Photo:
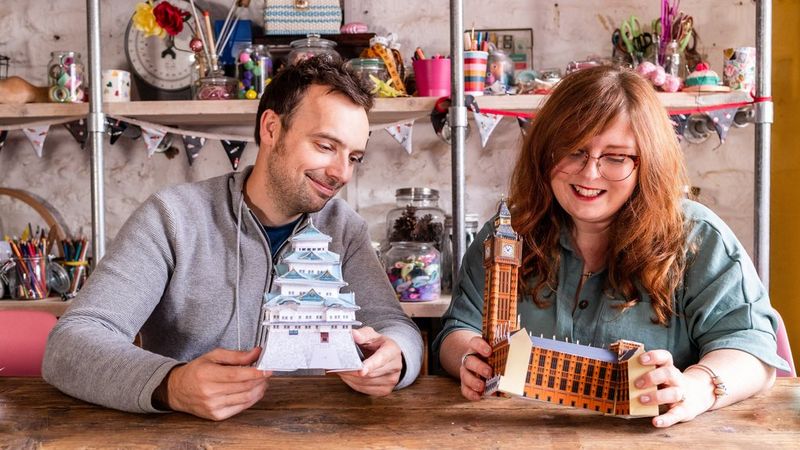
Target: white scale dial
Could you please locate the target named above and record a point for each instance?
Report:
(163, 72)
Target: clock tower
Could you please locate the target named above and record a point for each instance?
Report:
(502, 256)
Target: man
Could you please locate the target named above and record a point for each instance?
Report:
(189, 268)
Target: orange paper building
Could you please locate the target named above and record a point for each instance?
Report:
(554, 371)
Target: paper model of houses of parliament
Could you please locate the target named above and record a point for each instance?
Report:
(558, 372)
(307, 324)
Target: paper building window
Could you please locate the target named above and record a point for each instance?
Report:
(323, 337)
(293, 332)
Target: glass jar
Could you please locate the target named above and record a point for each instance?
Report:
(65, 77)
(312, 45)
(253, 68)
(413, 269)
(216, 87)
(499, 72)
(425, 201)
(471, 225)
(364, 67)
(32, 278)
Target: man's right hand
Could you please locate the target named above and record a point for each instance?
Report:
(217, 385)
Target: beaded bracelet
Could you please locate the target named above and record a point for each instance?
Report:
(719, 386)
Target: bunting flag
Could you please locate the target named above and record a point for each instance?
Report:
(679, 122)
(3, 136)
(234, 150)
(402, 134)
(486, 125)
(115, 129)
(152, 138)
(722, 120)
(193, 145)
(77, 129)
(524, 125)
(37, 135)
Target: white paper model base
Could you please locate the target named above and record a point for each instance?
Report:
(307, 325)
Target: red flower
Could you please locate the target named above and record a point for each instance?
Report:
(169, 17)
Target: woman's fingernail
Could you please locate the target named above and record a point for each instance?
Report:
(644, 398)
(645, 358)
(639, 383)
(659, 422)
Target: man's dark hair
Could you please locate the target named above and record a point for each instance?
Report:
(287, 88)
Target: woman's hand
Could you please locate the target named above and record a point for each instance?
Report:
(474, 369)
(686, 394)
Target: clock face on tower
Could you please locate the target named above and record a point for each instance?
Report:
(508, 250)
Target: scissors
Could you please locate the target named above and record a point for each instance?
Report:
(682, 27)
(633, 37)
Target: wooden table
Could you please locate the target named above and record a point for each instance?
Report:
(324, 413)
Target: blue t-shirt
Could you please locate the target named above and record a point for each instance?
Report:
(276, 236)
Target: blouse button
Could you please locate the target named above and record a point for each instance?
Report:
(583, 304)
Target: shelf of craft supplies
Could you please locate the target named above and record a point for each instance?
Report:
(242, 112)
(56, 306)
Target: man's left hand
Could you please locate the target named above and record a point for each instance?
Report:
(383, 365)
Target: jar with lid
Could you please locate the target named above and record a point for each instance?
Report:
(312, 45)
(471, 226)
(253, 68)
(401, 221)
(216, 86)
(414, 270)
(499, 71)
(65, 76)
(364, 67)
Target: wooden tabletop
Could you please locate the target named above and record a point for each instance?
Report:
(324, 413)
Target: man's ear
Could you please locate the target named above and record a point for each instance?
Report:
(270, 125)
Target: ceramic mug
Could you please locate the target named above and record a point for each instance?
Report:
(474, 71)
(739, 72)
(116, 86)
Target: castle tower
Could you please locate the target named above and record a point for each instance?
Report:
(502, 256)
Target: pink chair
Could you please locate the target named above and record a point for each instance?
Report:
(23, 336)
(784, 351)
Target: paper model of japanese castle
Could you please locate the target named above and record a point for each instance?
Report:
(554, 371)
(307, 324)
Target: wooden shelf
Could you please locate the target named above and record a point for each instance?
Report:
(242, 112)
(435, 308)
(53, 305)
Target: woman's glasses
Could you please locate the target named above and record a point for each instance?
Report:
(611, 166)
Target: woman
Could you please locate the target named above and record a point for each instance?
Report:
(612, 251)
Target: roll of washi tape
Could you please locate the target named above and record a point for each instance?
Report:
(59, 94)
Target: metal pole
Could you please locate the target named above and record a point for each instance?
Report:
(96, 128)
(763, 124)
(458, 130)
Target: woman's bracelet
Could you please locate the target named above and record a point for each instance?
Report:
(719, 386)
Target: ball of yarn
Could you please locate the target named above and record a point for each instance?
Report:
(659, 77)
(646, 69)
(251, 94)
(671, 84)
(244, 57)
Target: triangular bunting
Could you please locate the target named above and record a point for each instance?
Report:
(3, 136)
(402, 134)
(37, 135)
(115, 129)
(193, 145)
(524, 125)
(722, 120)
(679, 122)
(234, 150)
(486, 125)
(152, 138)
(78, 130)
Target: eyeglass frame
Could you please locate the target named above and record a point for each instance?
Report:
(634, 158)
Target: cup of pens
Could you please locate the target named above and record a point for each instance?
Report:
(475, 71)
(33, 277)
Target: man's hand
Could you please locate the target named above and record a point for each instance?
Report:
(381, 370)
(218, 384)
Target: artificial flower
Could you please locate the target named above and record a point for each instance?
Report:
(145, 21)
(170, 18)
